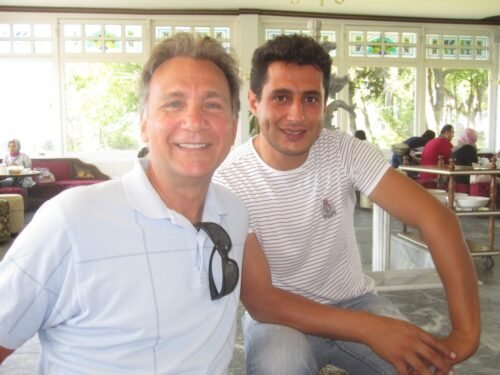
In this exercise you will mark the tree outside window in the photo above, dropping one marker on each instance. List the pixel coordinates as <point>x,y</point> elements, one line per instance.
<point>458,97</point>
<point>101,106</point>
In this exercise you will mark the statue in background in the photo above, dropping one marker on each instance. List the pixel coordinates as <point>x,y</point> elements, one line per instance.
<point>337,83</point>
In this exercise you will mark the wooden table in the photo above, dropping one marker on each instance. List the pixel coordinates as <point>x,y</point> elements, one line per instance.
<point>451,170</point>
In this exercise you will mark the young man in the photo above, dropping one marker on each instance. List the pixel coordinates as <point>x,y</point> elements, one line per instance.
<point>440,146</point>
<point>141,275</point>
<point>309,302</point>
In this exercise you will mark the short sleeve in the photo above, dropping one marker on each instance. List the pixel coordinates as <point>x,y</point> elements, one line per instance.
<point>37,279</point>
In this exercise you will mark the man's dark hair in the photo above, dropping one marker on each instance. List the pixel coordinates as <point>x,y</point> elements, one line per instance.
<point>293,49</point>
<point>360,134</point>
<point>428,135</point>
<point>446,128</point>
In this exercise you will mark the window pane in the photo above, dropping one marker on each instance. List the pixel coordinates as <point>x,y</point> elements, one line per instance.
<point>133,46</point>
<point>42,31</point>
<point>163,32</point>
<point>72,31</point>
<point>21,47</point>
<point>182,29</point>
<point>29,114</point>
<point>73,46</point>
<point>221,33</point>
<point>43,47</point>
<point>133,31</point>
<point>93,30</point>
<point>385,103</point>
<point>203,31</point>
<point>4,30</point>
<point>113,31</point>
<point>5,47</point>
<point>21,30</point>
<point>458,97</point>
<point>101,106</point>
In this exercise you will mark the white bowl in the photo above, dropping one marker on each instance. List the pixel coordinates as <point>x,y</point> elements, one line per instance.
<point>472,202</point>
<point>458,196</point>
<point>441,195</point>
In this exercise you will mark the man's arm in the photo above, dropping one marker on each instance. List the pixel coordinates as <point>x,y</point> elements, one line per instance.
<point>441,230</point>
<point>4,353</point>
<point>401,343</point>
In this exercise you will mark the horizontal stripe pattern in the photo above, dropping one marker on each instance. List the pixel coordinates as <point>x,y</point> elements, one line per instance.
<point>303,218</point>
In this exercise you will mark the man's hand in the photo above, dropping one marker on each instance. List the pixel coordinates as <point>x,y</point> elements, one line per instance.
<point>410,349</point>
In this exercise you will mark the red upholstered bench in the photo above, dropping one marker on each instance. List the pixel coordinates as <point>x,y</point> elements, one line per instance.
<point>68,173</point>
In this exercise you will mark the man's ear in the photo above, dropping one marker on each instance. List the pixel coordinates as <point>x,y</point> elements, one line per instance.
<point>253,102</point>
<point>143,125</point>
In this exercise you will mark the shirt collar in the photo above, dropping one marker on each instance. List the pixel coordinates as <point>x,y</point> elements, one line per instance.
<point>144,198</point>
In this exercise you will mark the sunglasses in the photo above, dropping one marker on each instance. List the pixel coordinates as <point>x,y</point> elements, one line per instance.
<point>230,271</point>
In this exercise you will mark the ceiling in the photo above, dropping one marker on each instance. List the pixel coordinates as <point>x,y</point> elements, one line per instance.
<point>454,9</point>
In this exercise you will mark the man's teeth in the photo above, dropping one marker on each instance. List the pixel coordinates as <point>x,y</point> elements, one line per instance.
<point>192,145</point>
<point>293,132</point>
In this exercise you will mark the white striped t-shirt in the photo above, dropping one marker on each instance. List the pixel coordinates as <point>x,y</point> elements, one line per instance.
<point>304,218</point>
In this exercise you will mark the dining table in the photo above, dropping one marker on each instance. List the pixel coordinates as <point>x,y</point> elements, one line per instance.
<point>491,211</point>
<point>18,175</point>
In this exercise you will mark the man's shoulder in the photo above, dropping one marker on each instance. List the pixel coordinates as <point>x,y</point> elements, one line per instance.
<point>239,158</point>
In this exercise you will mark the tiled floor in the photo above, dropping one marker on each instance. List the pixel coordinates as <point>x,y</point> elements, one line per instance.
<point>425,307</point>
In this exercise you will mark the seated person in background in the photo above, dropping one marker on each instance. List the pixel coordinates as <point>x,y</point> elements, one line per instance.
<point>140,275</point>
<point>465,153</point>
<point>440,146</point>
<point>414,143</point>
<point>308,300</point>
<point>360,134</point>
<point>17,158</point>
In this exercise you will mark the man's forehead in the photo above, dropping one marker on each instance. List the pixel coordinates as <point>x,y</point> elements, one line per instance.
<point>283,76</point>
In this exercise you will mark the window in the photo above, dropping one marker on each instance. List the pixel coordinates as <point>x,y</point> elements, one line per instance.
<point>327,37</point>
<point>220,33</point>
<point>459,97</point>
<point>26,39</point>
<point>385,102</point>
<point>457,47</point>
<point>28,94</point>
<point>382,44</point>
<point>101,106</point>
<point>93,37</point>
<point>458,71</point>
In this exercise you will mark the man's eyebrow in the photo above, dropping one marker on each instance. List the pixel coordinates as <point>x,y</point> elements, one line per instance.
<point>282,91</point>
<point>173,94</point>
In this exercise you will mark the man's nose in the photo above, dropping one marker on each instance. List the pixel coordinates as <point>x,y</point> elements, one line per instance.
<point>296,111</point>
<point>194,118</point>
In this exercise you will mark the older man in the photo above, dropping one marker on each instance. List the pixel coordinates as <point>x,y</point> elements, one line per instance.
<point>141,275</point>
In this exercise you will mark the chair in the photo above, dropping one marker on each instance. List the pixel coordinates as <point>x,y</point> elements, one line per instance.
<point>16,211</point>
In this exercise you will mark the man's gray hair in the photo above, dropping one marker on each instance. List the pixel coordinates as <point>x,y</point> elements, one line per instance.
<point>199,48</point>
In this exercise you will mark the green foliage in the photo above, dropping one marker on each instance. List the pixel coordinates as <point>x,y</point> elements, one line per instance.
<point>101,106</point>
<point>385,98</point>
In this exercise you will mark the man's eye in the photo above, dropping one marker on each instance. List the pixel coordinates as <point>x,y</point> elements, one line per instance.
<point>280,98</point>
<point>213,105</point>
<point>311,99</point>
<point>174,104</point>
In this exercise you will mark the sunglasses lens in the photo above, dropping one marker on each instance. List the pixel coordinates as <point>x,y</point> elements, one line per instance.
<point>230,271</point>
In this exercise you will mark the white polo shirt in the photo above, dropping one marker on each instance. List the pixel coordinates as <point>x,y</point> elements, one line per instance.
<point>116,283</point>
